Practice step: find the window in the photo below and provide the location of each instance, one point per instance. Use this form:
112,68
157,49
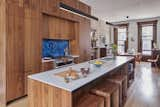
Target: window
122,36
147,34
147,38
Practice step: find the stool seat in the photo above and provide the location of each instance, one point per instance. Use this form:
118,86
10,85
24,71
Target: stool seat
109,91
90,100
117,78
121,80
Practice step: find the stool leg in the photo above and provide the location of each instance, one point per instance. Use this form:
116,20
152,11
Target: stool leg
108,101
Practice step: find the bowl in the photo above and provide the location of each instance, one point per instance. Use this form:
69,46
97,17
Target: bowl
98,65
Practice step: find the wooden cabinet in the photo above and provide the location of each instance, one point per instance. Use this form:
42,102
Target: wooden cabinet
49,6
103,52
23,25
84,39
15,53
84,8
72,3
47,65
60,28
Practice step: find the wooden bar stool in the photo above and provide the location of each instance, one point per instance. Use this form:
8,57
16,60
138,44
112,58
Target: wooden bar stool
109,91
90,100
121,80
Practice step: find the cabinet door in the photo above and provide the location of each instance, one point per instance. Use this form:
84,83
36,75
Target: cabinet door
49,6
32,44
84,8
15,53
47,66
84,40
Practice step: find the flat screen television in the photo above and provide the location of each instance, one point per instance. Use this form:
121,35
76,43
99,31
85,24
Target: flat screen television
54,48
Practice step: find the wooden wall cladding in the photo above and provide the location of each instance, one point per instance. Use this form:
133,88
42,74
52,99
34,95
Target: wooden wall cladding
84,8
49,6
23,46
72,3
84,40
15,52
57,28
2,53
22,28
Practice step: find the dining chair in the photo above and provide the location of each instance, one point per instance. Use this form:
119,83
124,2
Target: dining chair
154,61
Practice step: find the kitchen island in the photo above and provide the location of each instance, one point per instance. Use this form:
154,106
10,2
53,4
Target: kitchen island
49,90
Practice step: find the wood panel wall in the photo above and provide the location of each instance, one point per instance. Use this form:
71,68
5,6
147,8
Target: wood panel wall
15,51
2,53
84,39
58,28
21,32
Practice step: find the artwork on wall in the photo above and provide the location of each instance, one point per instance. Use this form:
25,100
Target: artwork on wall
54,48
93,38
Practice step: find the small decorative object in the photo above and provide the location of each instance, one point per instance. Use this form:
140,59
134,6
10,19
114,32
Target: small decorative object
114,50
102,40
66,78
66,51
85,72
68,75
98,63
131,51
154,45
72,74
93,38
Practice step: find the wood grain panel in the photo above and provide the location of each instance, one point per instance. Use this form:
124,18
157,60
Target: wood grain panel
72,3
49,6
47,66
74,44
2,53
15,53
22,32
57,28
16,2
43,95
32,45
83,7
84,40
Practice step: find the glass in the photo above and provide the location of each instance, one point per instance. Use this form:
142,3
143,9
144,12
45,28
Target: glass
122,36
147,37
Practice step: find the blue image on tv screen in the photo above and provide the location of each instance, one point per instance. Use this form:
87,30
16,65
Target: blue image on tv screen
54,48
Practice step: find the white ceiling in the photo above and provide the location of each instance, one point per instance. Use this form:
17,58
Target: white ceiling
117,10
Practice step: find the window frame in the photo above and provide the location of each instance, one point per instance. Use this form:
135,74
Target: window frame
116,34
146,23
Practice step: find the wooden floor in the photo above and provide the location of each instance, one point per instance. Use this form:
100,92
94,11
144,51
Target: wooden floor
144,92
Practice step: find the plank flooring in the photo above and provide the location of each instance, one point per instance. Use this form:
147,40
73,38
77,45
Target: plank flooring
144,92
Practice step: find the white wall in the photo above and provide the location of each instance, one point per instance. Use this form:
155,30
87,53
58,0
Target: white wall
133,31
158,33
102,29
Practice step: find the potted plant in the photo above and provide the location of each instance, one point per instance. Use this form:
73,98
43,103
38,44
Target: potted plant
114,50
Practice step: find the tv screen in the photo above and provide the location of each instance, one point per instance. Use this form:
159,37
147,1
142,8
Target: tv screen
54,48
